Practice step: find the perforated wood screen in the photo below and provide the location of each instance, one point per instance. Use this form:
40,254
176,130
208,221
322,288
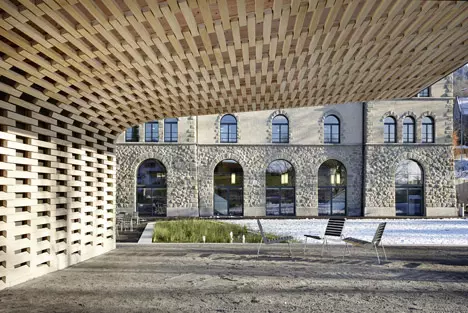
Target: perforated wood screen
73,74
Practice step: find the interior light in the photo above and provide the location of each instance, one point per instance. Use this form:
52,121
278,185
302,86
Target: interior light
233,178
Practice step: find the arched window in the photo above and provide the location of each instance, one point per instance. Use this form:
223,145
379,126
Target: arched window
280,129
152,131
131,134
228,188
228,129
408,130
332,129
170,130
152,188
280,188
389,129
409,185
427,129
332,188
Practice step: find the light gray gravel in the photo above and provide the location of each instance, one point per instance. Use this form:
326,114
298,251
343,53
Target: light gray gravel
230,278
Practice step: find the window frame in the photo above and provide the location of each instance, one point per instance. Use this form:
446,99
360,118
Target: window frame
169,134
134,134
425,93
424,131
281,130
331,126
229,131
406,133
387,139
154,137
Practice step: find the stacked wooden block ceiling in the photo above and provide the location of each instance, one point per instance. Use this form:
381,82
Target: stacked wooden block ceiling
121,62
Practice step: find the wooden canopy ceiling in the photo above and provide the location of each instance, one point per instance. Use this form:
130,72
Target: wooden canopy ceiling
121,62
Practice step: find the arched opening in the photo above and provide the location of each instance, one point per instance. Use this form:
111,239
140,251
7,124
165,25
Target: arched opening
228,189
151,188
280,188
332,188
409,189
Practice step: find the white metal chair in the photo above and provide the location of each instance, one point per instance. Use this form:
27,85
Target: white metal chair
334,229
370,244
267,241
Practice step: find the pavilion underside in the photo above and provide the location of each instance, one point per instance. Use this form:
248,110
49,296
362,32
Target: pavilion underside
73,74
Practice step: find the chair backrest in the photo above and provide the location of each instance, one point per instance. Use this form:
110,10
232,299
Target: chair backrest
335,226
378,234
261,230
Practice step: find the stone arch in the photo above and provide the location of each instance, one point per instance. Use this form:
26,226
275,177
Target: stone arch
217,126
343,125
269,125
135,165
389,114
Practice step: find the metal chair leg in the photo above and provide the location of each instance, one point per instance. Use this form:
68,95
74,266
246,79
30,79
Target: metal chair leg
377,252
385,254
323,246
290,251
259,245
305,244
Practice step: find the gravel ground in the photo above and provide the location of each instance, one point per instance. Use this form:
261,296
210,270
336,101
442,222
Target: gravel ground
230,278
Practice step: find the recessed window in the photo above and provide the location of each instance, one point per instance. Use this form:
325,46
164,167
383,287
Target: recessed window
427,130
332,129
170,129
228,129
152,131
228,188
280,129
408,130
424,93
332,181
389,130
280,189
409,188
131,134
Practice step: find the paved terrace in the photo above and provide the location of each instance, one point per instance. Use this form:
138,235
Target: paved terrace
230,278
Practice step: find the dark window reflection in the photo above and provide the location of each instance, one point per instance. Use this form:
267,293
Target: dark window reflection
331,129
280,188
280,129
389,130
409,196
228,129
427,130
152,189
332,188
408,130
228,188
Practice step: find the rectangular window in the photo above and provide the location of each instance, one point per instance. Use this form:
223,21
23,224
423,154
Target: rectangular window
152,132
332,133
131,134
228,133
389,133
427,133
408,133
280,133
425,92
170,130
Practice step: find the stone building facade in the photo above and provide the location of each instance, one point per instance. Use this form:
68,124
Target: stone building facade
369,180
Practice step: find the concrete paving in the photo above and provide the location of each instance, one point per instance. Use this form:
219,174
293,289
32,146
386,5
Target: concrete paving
147,234
230,278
